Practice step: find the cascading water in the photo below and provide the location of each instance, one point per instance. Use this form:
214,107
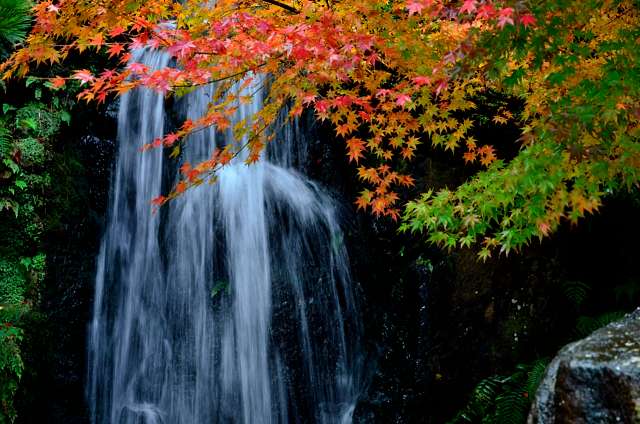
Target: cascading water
232,304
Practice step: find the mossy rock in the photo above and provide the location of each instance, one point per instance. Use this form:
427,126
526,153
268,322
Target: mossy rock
594,380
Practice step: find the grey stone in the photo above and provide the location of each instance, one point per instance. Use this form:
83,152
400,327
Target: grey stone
594,380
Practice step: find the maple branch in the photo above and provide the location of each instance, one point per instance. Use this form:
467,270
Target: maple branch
226,77
211,172
214,81
282,5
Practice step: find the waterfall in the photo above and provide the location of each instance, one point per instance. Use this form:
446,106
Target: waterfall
233,304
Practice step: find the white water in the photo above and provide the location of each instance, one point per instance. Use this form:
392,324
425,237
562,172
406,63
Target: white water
234,303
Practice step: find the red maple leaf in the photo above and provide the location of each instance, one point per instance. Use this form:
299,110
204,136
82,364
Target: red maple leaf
170,139
402,99
116,31
181,187
503,20
159,201
181,48
322,106
414,7
115,50
364,115
527,20
469,6
84,76
300,53
138,68
101,97
97,41
308,99
486,11
505,16
420,80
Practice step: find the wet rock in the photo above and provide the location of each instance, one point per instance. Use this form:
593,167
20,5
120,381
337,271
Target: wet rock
594,380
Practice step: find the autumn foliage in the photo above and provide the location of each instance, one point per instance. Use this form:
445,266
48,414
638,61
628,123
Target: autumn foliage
391,76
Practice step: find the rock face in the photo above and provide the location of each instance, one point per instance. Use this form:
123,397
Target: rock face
594,380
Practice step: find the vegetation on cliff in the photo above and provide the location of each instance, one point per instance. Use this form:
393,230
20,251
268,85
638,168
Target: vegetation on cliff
36,196
26,132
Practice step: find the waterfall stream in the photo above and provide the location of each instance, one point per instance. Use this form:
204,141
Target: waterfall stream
234,303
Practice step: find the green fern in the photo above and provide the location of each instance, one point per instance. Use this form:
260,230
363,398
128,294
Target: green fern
587,325
6,145
15,20
481,399
535,375
628,292
503,400
576,292
512,406
488,389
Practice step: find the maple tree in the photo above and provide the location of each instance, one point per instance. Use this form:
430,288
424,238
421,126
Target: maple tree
390,76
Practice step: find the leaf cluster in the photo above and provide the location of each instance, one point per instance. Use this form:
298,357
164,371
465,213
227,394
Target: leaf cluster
391,78
577,74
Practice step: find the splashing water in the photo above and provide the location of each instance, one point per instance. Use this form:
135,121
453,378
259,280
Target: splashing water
234,302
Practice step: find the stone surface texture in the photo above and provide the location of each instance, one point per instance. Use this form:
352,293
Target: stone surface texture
594,380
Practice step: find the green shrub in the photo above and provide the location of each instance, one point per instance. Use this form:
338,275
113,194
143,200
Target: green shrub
35,119
11,367
12,282
32,152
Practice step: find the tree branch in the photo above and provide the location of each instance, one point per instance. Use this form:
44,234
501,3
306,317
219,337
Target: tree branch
283,6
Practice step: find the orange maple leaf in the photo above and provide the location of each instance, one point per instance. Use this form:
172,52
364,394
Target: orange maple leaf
57,82
355,147
469,157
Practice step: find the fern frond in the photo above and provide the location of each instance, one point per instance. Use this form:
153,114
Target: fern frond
628,292
576,292
6,143
504,400
487,389
512,406
587,325
15,20
481,400
535,376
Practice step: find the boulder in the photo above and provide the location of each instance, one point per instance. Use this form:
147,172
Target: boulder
594,380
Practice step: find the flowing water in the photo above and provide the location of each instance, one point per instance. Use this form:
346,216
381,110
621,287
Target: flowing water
234,303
